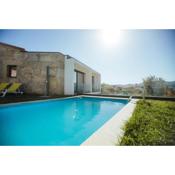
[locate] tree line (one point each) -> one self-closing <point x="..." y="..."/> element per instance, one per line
<point x="151" y="86"/>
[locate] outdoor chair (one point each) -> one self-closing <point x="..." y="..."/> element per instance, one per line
<point x="3" y="88"/>
<point x="15" y="88"/>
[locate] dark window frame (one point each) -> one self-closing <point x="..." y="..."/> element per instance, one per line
<point x="9" y="70"/>
<point x="76" y="86"/>
<point x="93" y="83"/>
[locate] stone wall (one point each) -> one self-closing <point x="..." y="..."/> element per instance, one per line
<point x="31" y="70"/>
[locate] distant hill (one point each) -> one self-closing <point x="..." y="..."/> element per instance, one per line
<point x="133" y="89"/>
<point x="171" y="84"/>
<point x="128" y="85"/>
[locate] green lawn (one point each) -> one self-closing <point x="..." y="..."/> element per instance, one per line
<point x="152" y="123"/>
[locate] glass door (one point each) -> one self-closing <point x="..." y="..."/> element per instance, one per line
<point x="78" y="82"/>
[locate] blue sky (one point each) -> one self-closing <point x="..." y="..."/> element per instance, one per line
<point x="139" y="53"/>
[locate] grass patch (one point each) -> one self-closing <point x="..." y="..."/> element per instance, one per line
<point x="152" y="123"/>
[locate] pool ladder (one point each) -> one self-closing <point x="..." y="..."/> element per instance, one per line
<point x="130" y="98"/>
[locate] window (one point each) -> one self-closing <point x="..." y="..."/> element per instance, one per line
<point x="12" y="71"/>
<point x="78" y="82"/>
<point x="93" y="84"/>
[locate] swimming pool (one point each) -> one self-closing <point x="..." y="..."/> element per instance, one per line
<point x="68" y="121"/>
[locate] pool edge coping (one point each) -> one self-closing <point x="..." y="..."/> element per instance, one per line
<point x="37" y="101"/>
<point x="54" y="99"/>
<point x="111" y="132"/>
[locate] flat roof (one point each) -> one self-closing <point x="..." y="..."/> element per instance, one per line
<point x="45" y="52"/>
<point x="12" y="46"/>
<point x="85" y="65"/>
<point x="68" y="56"/>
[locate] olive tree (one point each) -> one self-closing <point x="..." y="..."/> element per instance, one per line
<point x="154" y="86"/>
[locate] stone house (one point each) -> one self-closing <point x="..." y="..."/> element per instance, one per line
<point x="46" y="73"/>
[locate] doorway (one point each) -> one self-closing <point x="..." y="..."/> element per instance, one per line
<point x="78" y="82"/>
<point x="93" y="84"/>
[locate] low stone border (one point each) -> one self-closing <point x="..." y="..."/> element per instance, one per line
<point x="111" y="132"/>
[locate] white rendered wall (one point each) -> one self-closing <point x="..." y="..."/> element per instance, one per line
<point x="68" y="76"/>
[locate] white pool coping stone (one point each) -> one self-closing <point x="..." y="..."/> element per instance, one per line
<point x="111" y="132"/>
<point x="40" y="100"/>
<point x="54" y="99"/>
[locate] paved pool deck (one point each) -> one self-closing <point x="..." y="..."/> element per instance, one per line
<point x="111" y="132"/>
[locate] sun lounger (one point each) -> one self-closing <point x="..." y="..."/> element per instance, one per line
<point x="15" y="88"/>
<point x="3" y="88"/>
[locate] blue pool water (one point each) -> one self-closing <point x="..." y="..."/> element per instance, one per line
<point x="55" y="122"/>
